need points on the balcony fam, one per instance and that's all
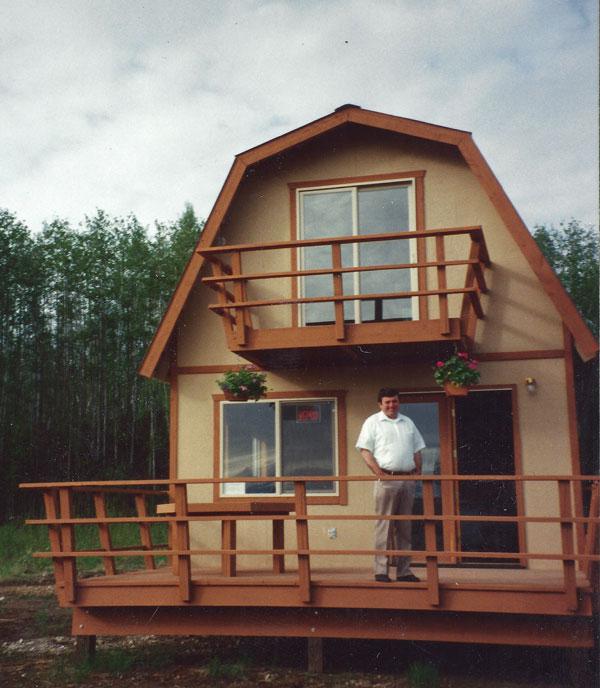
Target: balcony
(338, 300)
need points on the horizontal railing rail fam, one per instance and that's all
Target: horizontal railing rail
(62, 523)
(235, 307)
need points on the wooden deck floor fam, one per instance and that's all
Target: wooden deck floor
(517, 591)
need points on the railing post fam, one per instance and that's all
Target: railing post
(591, 535)
(338, 290)
(67, 536)
(567, 541)
(182, 542)
(51, 506)
(217, 270)
(440, 256)
(239, 295)
(104, 533)
(433, 583)
(145, 531)
(302, 540)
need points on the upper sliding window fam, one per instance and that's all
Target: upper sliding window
(359, 210)
(279, 437)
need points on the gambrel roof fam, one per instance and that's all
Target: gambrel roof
(585, 342)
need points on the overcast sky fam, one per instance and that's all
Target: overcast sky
(139, 106)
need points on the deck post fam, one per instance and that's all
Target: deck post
(182, 542)
(302, 541)
(440, 256)
(433, 583)
(567, 541)
(104, 533)
(314, 655)
(51, 506)
(145, 532)
(85, 647)
(338, 290)
(67, 536)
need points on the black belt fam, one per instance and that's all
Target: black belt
(396, 472)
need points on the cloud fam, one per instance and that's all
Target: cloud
(141, 106)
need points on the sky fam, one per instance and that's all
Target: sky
(139, 106)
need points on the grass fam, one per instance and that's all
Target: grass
(420, 675)
(18, 542)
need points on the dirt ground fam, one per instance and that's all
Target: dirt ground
(37, 651)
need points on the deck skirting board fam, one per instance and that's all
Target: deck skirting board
(504, 629)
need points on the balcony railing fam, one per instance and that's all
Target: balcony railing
(576, 542)
(434, 289)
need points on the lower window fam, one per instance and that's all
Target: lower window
(279, 437)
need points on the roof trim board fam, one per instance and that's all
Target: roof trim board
(584, 340)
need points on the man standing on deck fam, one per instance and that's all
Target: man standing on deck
(391, 444)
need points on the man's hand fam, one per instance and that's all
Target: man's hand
(371, 463)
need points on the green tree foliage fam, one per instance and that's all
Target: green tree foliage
(78, 309)
(572, 251)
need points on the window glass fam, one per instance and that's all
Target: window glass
(325, 214)
(248, 446)
(269, 438)
(383, 210)
(307, 442)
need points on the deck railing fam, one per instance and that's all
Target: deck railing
(231, 282)
(58, 499)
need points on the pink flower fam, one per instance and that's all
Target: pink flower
(473, 365)
(440, 364)
(462, 354)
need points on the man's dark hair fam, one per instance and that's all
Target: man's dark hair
(386, 392)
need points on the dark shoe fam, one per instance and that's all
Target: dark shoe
(382, 578)
(409, 578)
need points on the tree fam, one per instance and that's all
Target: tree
(572, 251)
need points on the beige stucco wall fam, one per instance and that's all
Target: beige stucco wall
(519, 317)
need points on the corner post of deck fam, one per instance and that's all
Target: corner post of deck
(182, 542)
(104, 532)
(302, 540)
(67, 536)
(567, 541)
(51, 507)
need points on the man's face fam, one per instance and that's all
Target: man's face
(390, 405)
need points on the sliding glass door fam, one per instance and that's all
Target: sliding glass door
(359, 211)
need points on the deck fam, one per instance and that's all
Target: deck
(537, 598)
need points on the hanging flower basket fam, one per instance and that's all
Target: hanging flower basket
(244, 384)
(453, 390)
(457, 374)
(230, 396)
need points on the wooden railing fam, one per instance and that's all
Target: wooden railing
(231, 282)
(58, 498)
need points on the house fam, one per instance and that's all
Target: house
(345, 255)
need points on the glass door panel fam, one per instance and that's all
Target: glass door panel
(325, 214)
(381, 210)
(426, 416)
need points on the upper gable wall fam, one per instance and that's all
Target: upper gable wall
(519, 314)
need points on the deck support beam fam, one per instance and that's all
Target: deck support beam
(314, 655)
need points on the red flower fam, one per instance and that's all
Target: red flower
(440, 364)
(473, 365)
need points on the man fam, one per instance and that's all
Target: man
(390, 444)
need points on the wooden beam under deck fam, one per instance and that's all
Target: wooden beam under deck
(575, 632)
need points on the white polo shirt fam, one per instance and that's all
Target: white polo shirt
(392, 441)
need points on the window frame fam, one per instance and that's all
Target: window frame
(417, 218)
(338, 396)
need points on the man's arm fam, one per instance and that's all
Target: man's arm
(371, 463)
(418, 459)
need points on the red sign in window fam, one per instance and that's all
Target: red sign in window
(308, 414)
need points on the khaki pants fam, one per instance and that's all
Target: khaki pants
(393, 497)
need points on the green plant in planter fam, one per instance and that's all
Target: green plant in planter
(244, 384)
(459, 371)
